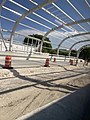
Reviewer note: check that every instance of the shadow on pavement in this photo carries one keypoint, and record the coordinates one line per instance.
(48, 84)
(75, 106)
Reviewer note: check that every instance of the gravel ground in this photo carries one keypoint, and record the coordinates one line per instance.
(24, 90)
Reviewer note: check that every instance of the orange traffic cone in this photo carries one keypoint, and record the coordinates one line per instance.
(71, 62)
(54, 60)
(8, 60)
(47, 62)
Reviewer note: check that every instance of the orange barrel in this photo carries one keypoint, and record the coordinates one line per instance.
(76, 62)
(71, 62)
(47, 62)
(54, 60)
(8, 61)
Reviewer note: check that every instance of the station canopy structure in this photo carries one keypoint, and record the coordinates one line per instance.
(65, 22)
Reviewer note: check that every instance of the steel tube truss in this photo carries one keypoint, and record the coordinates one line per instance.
(87, 3)
(36, 15)
(80, 34)
(3, 39)
(76, 44)
(17, 33)
(46, 2)
(68, 16)
(25, 26)
(83, 47)
(50, 12)
(59, 27)
(53, 15)
(3, 2)
(76, 10)
(30, 18)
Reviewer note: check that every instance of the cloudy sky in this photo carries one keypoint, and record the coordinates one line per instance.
(41, 21)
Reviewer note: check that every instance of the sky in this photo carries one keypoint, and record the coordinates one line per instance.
(40, 22)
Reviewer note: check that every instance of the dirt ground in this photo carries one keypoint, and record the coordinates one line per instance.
(24, 90)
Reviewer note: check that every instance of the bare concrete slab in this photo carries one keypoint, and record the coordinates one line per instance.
(75, 106)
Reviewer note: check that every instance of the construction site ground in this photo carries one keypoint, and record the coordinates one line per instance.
(30, 85)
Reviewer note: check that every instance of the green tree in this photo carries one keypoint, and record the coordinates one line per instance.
(46, 46)
(85, 53)
(53, 51)
(63, 52)
(74, 53)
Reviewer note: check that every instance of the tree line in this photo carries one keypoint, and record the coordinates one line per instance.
(47, 47)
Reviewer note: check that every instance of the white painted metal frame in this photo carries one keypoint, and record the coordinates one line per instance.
(35, 9)
(36, 15)
(3, 2)
(80, 34)
(3, 40)
(59, 27)
(76, 44)
(87, 3)
(26, 26)
(78, 52)
(76, 10)
(68, 16)
(17, 33)
(54, 5)
(46, 2)
(27, 17)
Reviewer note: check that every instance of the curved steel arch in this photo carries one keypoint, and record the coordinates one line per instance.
(46, 2)
(3, 40)
(75, 44)
(78, 52)
(25, 36)
(3, 2)
(70, 37)
(61, 26)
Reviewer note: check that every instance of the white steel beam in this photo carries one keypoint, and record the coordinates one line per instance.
(81, 48)
(67, 15)
(3, 40)
(36, 14)
(87, 3)
(2, 3)
(76, 44)
(40, 15)
(61, 26)
(50, 14)
(33, 12)
(54, 5)
(46, 2)
(76, 10)
(26, 26)
(17, 33)
(80, 34)
(17, 13)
